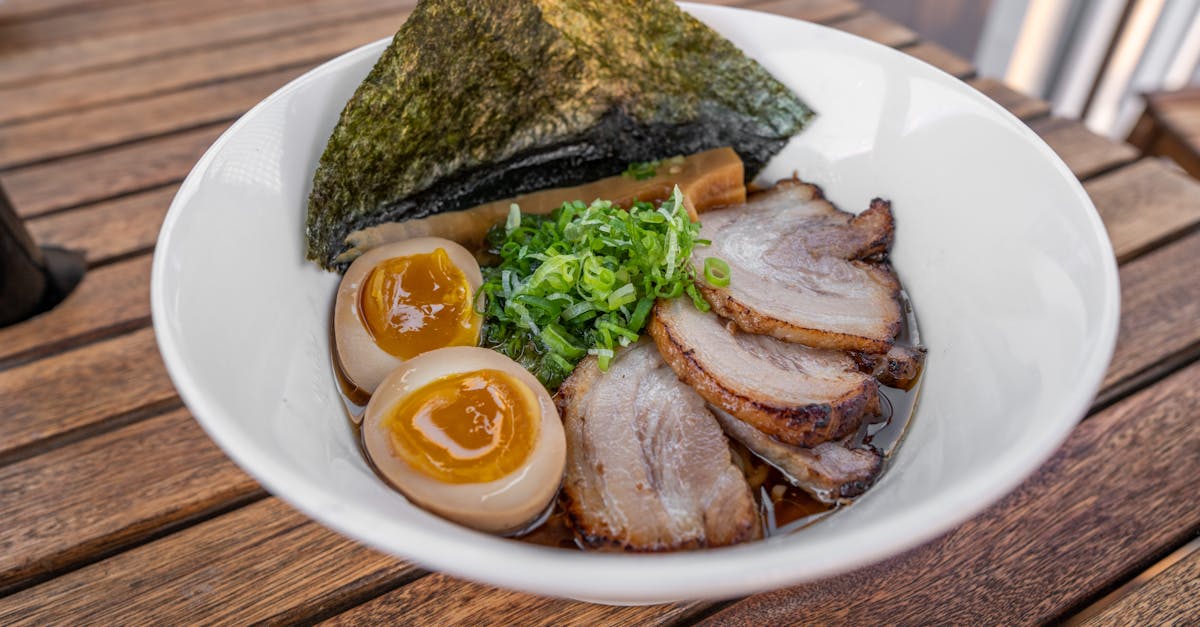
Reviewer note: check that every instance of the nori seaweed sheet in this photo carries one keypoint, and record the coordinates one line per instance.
(477, 100)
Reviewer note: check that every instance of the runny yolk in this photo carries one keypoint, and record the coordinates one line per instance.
(470, 427)
(414, 304)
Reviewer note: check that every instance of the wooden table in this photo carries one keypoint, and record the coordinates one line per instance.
(116, 508)
(1170, 127)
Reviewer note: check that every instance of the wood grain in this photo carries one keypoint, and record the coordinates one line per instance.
(1160, 308)
(1169, 597)
(73, 181)
(423, 602)
(121, 122)
(264, 562)
(877, 28)
(809, 10)
(108, 300)
(1085, 152)
(1121, 488)
(108, 229)
(941, 58)
(1022, 106)
(154, 76)
(84, 499)
(242, 22)
(1144, 204)
(106, 19)
(28, 10)
(98, 383)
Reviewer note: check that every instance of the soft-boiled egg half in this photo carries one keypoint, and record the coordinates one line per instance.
(403, 299)
(470, 435)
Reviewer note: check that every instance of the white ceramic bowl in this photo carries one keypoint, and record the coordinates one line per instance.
(1007, 263)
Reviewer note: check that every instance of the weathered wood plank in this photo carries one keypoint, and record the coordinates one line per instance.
(39, 189)
(108, 300)
(941, 58)
(97, 383)
(106, 19)
(244, 22)
(810, 10)
(423, 602)
(1022, 106)
(877, 28)
(107, 125)
(152, 76)
(12, 11)
(1168, 596)
(1143, 204)
(1085, 152)
(107, 229)
(1121, 488)
(1160, 308)
(84, 499)
(263, 562)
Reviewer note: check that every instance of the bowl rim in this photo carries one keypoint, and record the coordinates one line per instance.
(631, 578)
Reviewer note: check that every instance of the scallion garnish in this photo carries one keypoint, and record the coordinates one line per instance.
(582, 280)
(716, 272)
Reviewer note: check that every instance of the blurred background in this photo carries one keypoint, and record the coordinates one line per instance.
(1090, 59)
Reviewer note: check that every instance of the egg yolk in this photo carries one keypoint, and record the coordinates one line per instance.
(470, 427)
(414, 304)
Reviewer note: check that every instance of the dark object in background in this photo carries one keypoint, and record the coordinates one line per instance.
(32, 279)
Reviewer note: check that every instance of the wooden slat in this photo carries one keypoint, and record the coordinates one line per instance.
(810, 10)
(106, 19)
(877, 28)
(424, 602)
(40, 189)
(107, 125)
(98, 383)
(107, 229)
(108, 300)
(1085, 152)
(247, 21)
(1022, 106)
(1121, 488)
(1160, 308)
(264, 562)
(1143, 204)
(942, 59)
(1169, 595)
(12, 11)
(109, 490)
(81, 91)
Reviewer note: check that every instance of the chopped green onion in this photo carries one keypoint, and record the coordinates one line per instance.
(514, 218)
(716, 272)
(583, 280)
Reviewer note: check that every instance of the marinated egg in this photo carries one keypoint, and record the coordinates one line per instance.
(470, 435)
(403, 299)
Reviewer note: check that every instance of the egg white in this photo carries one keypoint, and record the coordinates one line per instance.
(363, 362)
(505, 505)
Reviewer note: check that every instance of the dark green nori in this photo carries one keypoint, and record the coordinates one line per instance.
(477, 100)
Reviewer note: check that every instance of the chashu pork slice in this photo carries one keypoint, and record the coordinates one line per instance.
(831, 471)
(804, 271)
(799, 395)
(648, 468)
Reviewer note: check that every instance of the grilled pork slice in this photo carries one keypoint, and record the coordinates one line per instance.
(830, 471)
(799, 395)
(899, 367)
(804, 271)
(648, 468)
